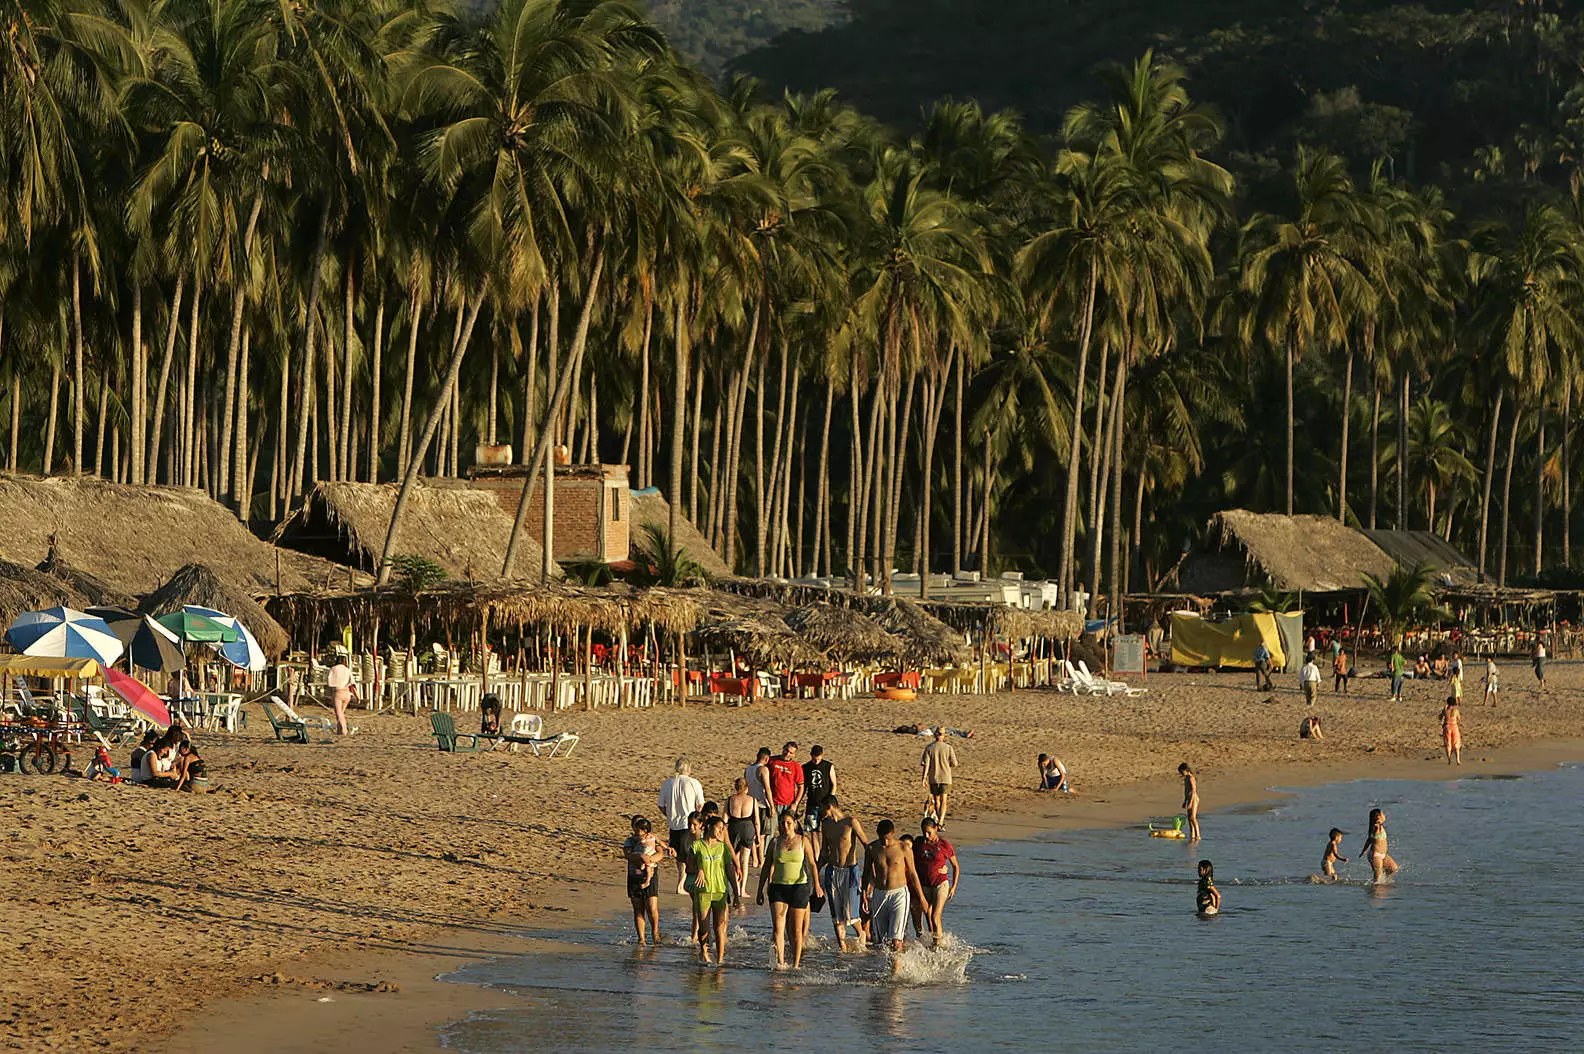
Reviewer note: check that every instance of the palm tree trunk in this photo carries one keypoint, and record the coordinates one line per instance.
(348, 341)
(821, 560)
(767, 503)
(242, 479)
(957, 466)
(855, 490)
(54, 411)
(494, 391)
(306, 384)
(1064, 575)
(1292, 425)
(530, 384)
(880, 487)
(157, 431)
(190, 391)
(984, 540)
(734, 461)
(1113, 610)
(99, 432)
(593, 416)
(759, 467)
(79, 380)
(1099, 449)
(1347, 400)
(643, 391)
(563, 385)
(1135, 564)
(332, 416)
(1512, 451)
(1375, 449)
(139, 392)
(404, 441)
(1402, 450)
(1567, 470)
(376, 368)
(935, 403)
(547, 562)
(1490, 477)
(431, 425)
(680, 370)
(238, 301)
(801, 516)
(898, 469)
(784, 500)
(869, 482)
(16, 421)
(1106, 448)
(693, 442)
(1540, 508)
(720, 422)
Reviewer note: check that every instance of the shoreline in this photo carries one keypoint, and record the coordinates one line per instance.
(407, 1021)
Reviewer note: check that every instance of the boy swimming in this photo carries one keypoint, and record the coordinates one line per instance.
(1332, 854)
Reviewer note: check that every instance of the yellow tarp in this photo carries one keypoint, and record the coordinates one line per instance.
(1196, 642)
(52, 669)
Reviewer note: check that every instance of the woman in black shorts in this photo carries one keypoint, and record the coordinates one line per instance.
(643, 853)
(790, 873)
(742, 830)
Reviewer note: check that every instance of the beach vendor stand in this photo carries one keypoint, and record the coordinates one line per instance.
(37, 734)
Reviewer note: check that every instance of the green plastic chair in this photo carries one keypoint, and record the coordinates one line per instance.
(447, 736)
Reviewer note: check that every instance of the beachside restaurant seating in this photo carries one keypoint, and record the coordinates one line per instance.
(905, 679)
(528, 730)
(832, 684)
(740, 687)
(447, 738)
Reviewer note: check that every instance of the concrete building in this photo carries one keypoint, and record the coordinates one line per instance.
(593, 507)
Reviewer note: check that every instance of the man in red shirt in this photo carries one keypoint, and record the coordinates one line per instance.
(938, 872)
(786, 781)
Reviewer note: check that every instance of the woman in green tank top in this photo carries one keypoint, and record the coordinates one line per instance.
(790, 873)
(711, 875)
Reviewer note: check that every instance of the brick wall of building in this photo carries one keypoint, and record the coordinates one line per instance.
(587, 506)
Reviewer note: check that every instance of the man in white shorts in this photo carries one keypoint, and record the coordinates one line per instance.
(889, 877)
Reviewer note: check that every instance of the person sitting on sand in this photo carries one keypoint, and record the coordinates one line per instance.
(144, 746)
(1422, 668)
(186, 765)
(1207, 898)
(101, 766)
(1309, 728)
(1052, 773)
(490, 715)
(1332, 854)
(1375, 848)
(154, 770)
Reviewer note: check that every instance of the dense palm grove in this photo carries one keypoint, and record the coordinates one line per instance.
(248, 245)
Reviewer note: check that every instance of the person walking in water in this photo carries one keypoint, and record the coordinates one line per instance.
(742, 830)
(936, 768)
(680, 797)
(889, 878)
(1332, 854)
(791, 874)
(1375, 848)
(1190, 799)
(939, 872)
(711, 876)
(1451, 732)
(841, 836)
(819, 779)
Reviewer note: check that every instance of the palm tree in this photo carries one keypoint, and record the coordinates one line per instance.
(1307, 270)
(1404, 597)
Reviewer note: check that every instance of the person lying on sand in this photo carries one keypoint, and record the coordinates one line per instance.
(926, 732)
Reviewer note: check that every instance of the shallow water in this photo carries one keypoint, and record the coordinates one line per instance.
(1088, 940)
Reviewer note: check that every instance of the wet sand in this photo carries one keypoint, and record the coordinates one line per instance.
(331, 871)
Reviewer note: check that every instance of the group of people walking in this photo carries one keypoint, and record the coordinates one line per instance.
(784, 821)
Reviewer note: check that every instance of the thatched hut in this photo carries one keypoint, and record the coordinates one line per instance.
(24, 589)
(134, 538)
(762, 643)
(650, 509)
(197, 584)
(461, 529)
(95, 590)
(844, 633)
(925, 639)
(1247, 550)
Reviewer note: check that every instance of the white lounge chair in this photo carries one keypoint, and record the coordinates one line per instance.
(1110, 687)
(313, 721)
(1083, 684)
(528, 730)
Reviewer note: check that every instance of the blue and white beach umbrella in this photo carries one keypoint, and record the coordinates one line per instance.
(244, 652)
(65, 633)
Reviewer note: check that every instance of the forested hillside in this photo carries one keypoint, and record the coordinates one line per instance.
(710, 33)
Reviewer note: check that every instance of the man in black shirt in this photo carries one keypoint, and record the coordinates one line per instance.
(819, 777)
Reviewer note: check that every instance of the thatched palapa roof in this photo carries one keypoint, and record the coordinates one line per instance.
(1316, 554)
(763, 640)
(24, 589)
(197, 584)
(649, 508)
(463, 530)
(843, 633)
(134, 538)
(92, 588)
(926, 640)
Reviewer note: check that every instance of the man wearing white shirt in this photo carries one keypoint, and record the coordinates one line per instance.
(1309, 678)
(339, 681)
(680, 797)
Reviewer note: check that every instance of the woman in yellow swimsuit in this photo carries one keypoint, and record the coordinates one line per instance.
(711, 876)
(1381, 863)
(790, 873)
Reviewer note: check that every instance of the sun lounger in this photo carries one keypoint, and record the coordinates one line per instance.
(447, 738)
(288, 728)
(1108, 686)
(324, 724)
(528, 730)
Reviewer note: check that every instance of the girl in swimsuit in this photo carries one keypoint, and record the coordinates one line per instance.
(1451, 733)
(1207, 900)
(1381, 863)
(742, 830)
(790, 873)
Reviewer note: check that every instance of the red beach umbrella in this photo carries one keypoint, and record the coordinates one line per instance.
(138, 696)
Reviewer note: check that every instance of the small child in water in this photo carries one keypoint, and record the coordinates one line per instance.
(1332, 854)
(1208, 899)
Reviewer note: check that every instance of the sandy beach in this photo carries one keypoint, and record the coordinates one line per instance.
(313, 893)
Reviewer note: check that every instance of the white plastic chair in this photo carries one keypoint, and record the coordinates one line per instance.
(528, 730)
(1107, 686)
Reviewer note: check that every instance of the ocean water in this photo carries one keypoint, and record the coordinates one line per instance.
(1088, 940)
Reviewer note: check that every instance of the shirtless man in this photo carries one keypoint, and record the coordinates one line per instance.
(889, 878)
(841, 836)
(1190, 799)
